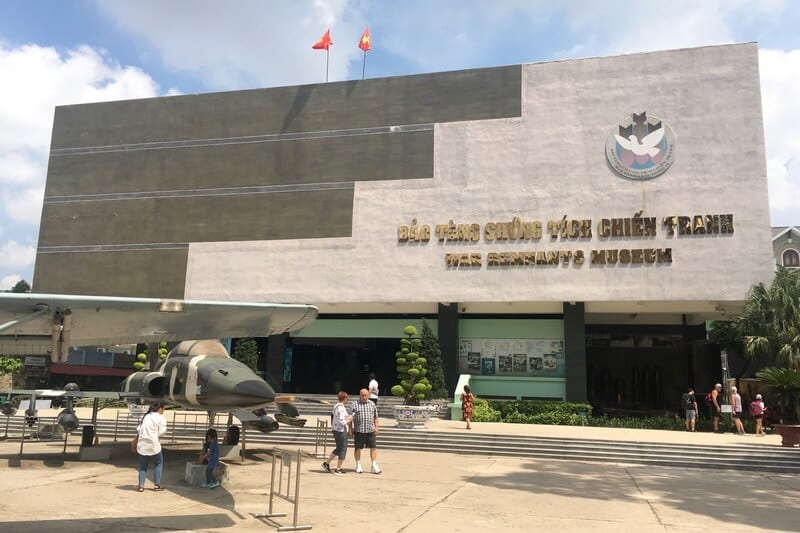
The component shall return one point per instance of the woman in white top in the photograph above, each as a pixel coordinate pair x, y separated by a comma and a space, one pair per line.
340, 421
736, 407
148, 445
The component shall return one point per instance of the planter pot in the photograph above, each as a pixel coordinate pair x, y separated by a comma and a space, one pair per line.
790, 434
413, 416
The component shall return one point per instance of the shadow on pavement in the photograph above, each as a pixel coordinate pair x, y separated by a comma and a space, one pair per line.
757, 500
123, 524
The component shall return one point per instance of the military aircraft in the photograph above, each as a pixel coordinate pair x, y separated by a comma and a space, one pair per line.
201, 375
195, 374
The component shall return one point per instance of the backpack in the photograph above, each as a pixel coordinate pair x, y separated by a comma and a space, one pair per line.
687, 401
755, 408
709, 399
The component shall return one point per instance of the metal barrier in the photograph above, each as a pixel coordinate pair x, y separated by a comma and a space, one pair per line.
127, 419
285, 459
321, 438
199, 422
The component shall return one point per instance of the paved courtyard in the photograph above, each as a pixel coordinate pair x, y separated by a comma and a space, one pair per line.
418, 492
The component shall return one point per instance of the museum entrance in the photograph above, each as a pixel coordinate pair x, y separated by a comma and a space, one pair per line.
328, 365
639, 371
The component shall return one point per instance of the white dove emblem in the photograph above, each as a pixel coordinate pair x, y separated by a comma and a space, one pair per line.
648, 145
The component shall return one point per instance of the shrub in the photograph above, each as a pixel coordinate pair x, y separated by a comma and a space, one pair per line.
483, 412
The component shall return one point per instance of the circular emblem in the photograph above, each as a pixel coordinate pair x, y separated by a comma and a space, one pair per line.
641, 148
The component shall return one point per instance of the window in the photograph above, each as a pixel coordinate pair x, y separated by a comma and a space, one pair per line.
791, 259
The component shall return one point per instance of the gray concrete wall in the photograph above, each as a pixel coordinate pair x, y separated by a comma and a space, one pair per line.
260, 165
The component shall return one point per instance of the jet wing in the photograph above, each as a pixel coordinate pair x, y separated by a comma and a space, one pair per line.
41, 323
51, 393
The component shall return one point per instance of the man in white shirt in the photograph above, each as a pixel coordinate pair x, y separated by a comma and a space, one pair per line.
148, 445
373, 389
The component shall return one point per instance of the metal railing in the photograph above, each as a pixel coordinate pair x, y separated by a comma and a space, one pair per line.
321, 438
282, 459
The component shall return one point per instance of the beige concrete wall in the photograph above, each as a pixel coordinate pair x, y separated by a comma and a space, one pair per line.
547, 164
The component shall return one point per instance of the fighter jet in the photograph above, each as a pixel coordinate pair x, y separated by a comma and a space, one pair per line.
201, 375
196, 374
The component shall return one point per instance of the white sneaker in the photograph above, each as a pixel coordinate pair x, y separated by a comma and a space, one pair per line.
376, 469
359, 470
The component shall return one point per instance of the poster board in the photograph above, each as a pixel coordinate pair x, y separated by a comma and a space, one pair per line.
512, 357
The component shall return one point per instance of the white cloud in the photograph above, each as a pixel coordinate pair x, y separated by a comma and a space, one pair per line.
253, 44
8, 282
24, 205
16, 256
35, 79
780, 79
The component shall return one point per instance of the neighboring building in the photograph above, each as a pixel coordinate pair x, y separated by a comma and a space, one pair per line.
566, 227
786, 246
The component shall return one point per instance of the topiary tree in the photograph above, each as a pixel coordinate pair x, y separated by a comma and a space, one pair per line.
433, 354
141, 357
411, 369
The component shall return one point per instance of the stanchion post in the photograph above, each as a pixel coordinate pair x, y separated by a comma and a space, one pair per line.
285, 459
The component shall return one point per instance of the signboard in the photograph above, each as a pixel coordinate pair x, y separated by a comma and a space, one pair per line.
512, 357
35, 361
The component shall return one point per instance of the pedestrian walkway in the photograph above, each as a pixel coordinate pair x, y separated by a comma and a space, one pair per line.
417, 491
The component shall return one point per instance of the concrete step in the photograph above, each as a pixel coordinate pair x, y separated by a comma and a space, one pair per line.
746, 456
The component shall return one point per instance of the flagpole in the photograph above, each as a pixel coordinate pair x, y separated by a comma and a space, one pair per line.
327, 56
364, 65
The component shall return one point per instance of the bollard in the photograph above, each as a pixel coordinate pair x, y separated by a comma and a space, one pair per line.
283, 459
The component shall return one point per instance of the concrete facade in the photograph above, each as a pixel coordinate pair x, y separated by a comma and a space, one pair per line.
460, 195
298, 193
786, 246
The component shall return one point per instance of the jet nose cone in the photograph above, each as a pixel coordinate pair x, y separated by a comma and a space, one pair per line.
252, 392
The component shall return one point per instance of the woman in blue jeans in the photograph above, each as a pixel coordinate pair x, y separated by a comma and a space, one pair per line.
148, 446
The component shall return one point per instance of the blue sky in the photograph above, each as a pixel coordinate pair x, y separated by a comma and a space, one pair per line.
65, 52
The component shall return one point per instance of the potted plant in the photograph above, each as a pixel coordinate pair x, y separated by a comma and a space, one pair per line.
414, 384
784, 391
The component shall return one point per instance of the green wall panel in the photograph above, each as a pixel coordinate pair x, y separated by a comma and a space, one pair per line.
510, 328
389, 328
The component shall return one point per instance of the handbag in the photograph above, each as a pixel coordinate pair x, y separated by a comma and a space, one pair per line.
134, 444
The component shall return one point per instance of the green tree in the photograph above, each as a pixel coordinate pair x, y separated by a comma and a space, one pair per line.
784, 391
21, 286
9, 364
769, 328
430, 350
411, 369
246, 351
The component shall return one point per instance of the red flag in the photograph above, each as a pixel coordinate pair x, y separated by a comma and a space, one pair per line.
366, 42
324, 42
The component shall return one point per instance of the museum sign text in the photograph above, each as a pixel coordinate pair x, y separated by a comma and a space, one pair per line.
518, 231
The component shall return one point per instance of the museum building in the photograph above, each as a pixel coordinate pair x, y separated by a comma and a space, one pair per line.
566, 228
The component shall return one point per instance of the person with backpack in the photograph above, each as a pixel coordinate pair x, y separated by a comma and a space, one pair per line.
340, 422
757, 409
712, 398
690, 408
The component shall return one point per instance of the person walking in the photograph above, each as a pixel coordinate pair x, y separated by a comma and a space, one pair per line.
690, 409
374, 392
757, 409
364, 415
211, 457
467, 405
736, 409
148, 445
340, 422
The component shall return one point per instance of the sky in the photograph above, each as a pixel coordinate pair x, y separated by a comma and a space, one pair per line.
60, 52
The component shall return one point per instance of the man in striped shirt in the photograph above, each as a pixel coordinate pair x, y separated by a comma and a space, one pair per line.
365, 427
